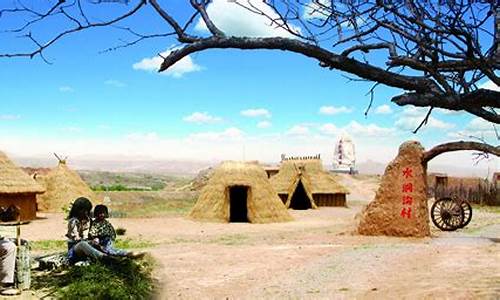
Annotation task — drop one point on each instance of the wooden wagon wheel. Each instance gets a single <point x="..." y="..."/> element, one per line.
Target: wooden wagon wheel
<point x="447" y="214"/>
<point x="467" y="213"/>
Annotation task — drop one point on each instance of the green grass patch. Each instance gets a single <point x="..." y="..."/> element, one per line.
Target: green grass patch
<point x="60" y="245"/>
<point x="133" y="244"/>
<point x="126" y="279"/>
<point x="156" y="208"/>
<point x="48" y="245"/>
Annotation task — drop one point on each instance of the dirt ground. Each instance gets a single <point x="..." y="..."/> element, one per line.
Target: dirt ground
<point x="317" y="256"/>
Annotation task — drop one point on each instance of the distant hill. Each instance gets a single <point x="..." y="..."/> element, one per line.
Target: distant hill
<point x="372" y="167"/>
<point x="191" y="168"/>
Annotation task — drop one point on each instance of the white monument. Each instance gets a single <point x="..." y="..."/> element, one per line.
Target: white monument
<point x="344" y="157"/>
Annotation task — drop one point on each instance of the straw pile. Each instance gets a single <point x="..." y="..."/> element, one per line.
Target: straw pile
<point x="263" y="204"/>
<point x="314" y="178"/>
<point x="63" y="186"/>
<point x="14" y="181"/>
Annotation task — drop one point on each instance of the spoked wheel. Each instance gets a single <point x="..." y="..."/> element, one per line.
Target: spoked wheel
<point x="467" y="213"/>
<point x="447" y="214"/>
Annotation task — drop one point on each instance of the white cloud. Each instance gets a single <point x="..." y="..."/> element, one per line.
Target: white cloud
<point x="66" y="89"/>
<point x="231" y="133"/>
<point x="412" y="116"/>
<point x="356" y="129"/>
<point x="256" y="112"/>
<point x="298" y="130"/>
<point x="264" y="124"/>
<point x="183" y="66"/>
<point x="490" y="86"/>
<point x="383" y="109"/>
<point x="478" y="124"/>
<point x="235" y="20"/>
<point x="201" y="118"/>
<point x="477" y="128"/>
<point x="329" y="129"/>
<point x="115" y="83"/>
<point x="332" y="110"/>
<point x="228" y="144"/>
<point x="370" y="130"/>
<point x="448" y="112"/>
<point x="9" y="117"/>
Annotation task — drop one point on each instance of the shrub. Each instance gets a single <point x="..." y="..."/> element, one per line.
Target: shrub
<point x="120" y="231"/>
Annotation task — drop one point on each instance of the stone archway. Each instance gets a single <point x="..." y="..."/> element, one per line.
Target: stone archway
<point x="400" y="204"/>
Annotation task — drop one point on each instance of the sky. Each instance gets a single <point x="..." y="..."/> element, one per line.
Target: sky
<point x="213" y="105"/>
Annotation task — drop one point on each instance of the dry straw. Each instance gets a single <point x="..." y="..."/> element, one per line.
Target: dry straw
<point x="14" y="181"/>
<point x="63" y="186"/>
<point x="310" y="172"/>
<point x="263" y="204"/>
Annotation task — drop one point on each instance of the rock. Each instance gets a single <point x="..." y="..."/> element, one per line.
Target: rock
<point x="400" y="204"/>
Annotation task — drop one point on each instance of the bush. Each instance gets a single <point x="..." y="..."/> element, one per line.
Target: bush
<point x="120" y="231"/>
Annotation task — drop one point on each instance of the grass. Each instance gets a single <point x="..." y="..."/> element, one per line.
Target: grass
<point x="126" y="279"/>
<point x="155" y="208"/>
<point x="60" y="245"/>
<point x="48" y="245"/>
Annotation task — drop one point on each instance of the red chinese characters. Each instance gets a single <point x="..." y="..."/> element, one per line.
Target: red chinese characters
<point x="407" y="200"/>
<point x="407" y="189"/>
<point x="406" y="212"/>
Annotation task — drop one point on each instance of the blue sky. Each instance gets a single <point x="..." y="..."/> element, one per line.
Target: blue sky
<point x="217" y="104"/>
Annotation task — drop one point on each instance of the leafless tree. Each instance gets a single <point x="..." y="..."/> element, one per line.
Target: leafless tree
<point x="437" y="51"/>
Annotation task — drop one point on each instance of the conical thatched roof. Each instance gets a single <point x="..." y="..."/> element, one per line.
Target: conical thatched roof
<point x="312" y="175"/>
<point x="63" y="185"/>
<point x="14" y="181"/>
<point x="263" y="204"/>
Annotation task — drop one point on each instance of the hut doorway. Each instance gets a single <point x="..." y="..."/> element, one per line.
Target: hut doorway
<point x="238" y="211"/>
<point x="300" y="200"/>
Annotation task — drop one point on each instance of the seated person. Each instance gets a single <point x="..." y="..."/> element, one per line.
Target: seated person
<point x="78" y="247"/>
<point x="102" y="234"/>
<point x="7" y="265"/>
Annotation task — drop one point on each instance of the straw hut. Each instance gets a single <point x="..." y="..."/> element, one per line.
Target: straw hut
<point x="63" y="185"/>
<point x="18" y="188"/>
<point x="304" y="184"/>
<point x="239" y="192"/>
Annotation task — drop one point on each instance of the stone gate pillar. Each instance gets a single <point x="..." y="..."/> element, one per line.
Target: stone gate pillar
<point x="400" y="204"/>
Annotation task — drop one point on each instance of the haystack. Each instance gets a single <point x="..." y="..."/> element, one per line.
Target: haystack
<point x="18" y="188"/>
<point x="239" y="192"/>
<point x="304" y="184"/>
<point x="63" y="185"/>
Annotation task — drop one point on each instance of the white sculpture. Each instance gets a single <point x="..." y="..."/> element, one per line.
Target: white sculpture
<point x="344" y="154"/>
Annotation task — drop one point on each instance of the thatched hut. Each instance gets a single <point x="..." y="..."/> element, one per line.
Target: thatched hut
<point x="239" y="192"/>
<point x="63" y="185"/>
<point x="18" y="188"/>
<point x="304" y="184"/>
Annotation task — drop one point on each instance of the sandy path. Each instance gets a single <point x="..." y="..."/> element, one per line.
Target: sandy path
<point x="314" y="257"/>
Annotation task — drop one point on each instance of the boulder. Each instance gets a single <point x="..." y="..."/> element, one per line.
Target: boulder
<point x="400" y="204"/>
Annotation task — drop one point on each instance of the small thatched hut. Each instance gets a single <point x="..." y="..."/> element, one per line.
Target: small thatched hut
<point x="18" y="188"/>
<point x="304" y="184"/>
<point x="63" y="185"/>
<point x="239" y="192"/>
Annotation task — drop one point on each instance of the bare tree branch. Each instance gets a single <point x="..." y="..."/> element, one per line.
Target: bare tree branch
<point x="458" y="146"/>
